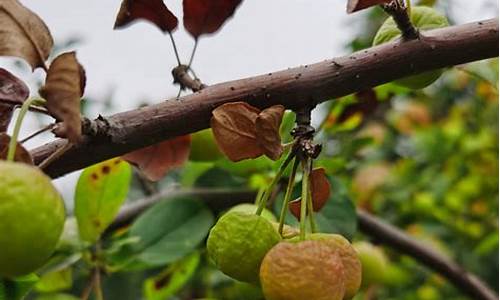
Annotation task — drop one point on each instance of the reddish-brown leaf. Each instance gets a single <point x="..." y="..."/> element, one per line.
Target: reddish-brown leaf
<point x="63" y="90"/>
<point x="233" y="126"/>
<point x="207" y="16"/>
<point x="320" y="192"/>
<point x="22" y="155"/>
<point x="355" y="5"/>
<point x="267" y="126"/>
<point x="13" y="90"/>
<point x="156" y="160"/>
<point x="153" y="11"/>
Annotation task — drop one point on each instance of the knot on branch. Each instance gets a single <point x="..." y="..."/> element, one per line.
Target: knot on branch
<point x="400" y="15"/>
<point x="183" y="78"/>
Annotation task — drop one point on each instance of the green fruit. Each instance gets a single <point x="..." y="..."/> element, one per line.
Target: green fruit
<point x="238" y="243"/>
<point x="305" y="270"/>
<point x="349" y="257"/>
<point x="373" y="261"/>
<point x="31" y="218"/>
<point x="203" y="147"/>
<point x="251" y="209"/>
<point x="424" y="18"/>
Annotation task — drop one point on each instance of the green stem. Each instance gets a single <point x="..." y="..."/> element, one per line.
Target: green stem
<point x="312" y="221"/>
<point x="270" y="188"/>
<point x="288" y="195"/>
<point x="408" y="8"/>
<point x="17" y="128"/>
<point x="303" y="201"/>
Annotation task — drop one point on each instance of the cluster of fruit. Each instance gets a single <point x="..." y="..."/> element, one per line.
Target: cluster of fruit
<point x="32" y="218"/>
<point x="249" y="248"/>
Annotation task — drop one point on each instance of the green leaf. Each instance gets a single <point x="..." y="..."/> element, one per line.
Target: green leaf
<point x="173" y="279"/>
<point x="339" y="213"/>
<point x="101" y="190"/>
<point x="55" y="281"/>
<point x="170" y="230"/>
<point x="18" y="288"/>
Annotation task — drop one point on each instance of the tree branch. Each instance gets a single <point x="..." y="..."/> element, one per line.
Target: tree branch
<point x="294" y="88"/>
<point x="220" y="199"/>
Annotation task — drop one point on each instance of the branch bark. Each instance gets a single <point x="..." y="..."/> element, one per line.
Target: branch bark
<point x="220" y="199"/>
<point x="294" y="88"/>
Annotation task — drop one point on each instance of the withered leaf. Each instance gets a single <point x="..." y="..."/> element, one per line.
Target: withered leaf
<point x="156" y="160"/>
<point x="355" y="5"/>
<point x="22" y="155"/>
<point x="63" y="89"/>
<point x="153" y="11"/>
<point x="320" y="192"/>
<point x="13" y="90"/>
<point x="233" y="126"/>
<point x="267" y="126"/>
<point x="207" y="16"/>
<point x="23" y="34"/>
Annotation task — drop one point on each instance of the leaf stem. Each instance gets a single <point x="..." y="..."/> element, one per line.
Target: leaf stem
<point x="310" y="208"/>
<point x="175" y="48"/>
<point x="288" y="195"/>
<point x="303" y="201"/>
<point x="193" y="53"/>
<point x="270" y="188"/>
<point x="42" y="130"/>
<point x="17" y="128"/>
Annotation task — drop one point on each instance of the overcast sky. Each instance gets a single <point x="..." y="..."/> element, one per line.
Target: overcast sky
<point x="264" y="35"/>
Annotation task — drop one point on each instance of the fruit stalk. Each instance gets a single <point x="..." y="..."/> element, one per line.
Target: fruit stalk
<point x="270" y="188"/>
<point x="288" y="196"/>
<point x="305" y="196"/>
<point x="17" y="128"/>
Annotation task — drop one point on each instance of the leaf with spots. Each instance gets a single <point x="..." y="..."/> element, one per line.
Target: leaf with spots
<point x="100" y="191"/>
<point x="156" y="160"/>
<point x="207" y="16"/>
<point x="320" y="192"/>
<point x="63" y="89"/>
<point x="22" y="155"/>
<point x="355" y="5"/>
<point x="23" y="34"/>
<point x="13" y="91"/>
<point x="153" y="11"/>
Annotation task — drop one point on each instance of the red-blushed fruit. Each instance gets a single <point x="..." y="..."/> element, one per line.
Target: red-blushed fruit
<point x="238" y="242"/>
<point x="304" y="270"/>
<point x="31" y="218"/>
<point x="349" y="257"/>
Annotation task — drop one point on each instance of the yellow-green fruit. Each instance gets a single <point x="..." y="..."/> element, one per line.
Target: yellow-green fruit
<point x="251" y="209"/>
<point x="424" y="18"/>
<point x="31" y="218"/>
<point x="305" y="270"/>
<point x="203" y="146"/>
<point x="238" y="243"/>
<point x="373" y="261"/>
<point x="349" y="257"/>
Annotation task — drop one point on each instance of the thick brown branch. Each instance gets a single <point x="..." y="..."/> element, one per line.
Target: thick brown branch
<point x="220" y="199"/>
<point x="294" y="88"/>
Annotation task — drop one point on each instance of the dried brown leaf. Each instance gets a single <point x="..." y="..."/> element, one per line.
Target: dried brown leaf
<point x="13" y="90"/>
<point x="23" y="34"/>
<point x="153" y="11"/>
<point x="207" y="16"/>
<point x="267" y="128"/>
<point x="63" y="90"/>
<point x="233" y="126"/>
<point x="156" y="160"/>
<point x="22" y="155"/>
<point x="355" y="5"/>
<point x="320" y="192"/>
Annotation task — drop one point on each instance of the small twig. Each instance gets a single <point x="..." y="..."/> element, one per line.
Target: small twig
<point x="182" y="77"/>
<point x="400" y="15"/>
<point x="33" y="108"/>
<point x="55" y="155"/>
<point x="88" y="288"/>
<point x="40" y="131"/>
